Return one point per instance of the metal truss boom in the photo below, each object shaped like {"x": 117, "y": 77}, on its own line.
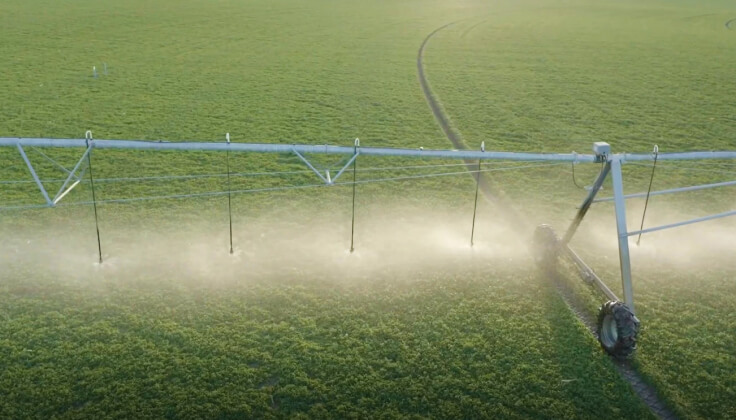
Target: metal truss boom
{"x": 297, "y": 148}
{"x": 349, "y": 150}
{"x": 612, "y": 164}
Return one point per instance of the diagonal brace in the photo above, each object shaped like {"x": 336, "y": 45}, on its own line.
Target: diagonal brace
{"x": 347, "y": 165}
{"x": 311, "y": 167}
{"x": 686, "y": 222}
{"x": 35, "y": 176}
{"x": 53, "y": 162}
{"x": 62, "y": 192}
{"x": 586, "y": 204}
{"x": 671, "y": 191}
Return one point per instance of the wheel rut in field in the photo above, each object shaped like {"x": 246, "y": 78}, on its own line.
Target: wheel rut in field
{"x": 434, "y": 105}
{"x": 647, "y": 393}
{"x": 643, "y": 390}
{"x": 455, "y": 138}
{"x": 699, "y": 16}
{"x": 467, "y": 31}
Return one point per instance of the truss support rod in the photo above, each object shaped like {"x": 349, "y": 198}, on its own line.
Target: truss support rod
{"x": 59, "y": 197}
{"x": 586, "y": 203}
{"x": 35, "y": 176}
{"x": 671, "y": 191}
{"x": 350, "y": 162}
{"x": 62, "y": 193}
{"x": 53, "y": 162}
{"x": 81, "y": 173}
{"x": 686, "y": 222}
{"x": 306, "y": 162}
{"x": 623, "y": 235}
{"x": 588, "y": 273}
{"x": 638, "y": 157}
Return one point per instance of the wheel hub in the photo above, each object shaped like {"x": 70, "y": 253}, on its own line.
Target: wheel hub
{"x": 609, "y": 331}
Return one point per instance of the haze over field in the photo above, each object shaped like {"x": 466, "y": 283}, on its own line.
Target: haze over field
{"x": 388, "y": 239}
{"x": 415, "y": 323}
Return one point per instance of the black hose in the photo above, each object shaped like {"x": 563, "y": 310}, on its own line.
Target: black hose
{"x": 352, "y": 228}
{"x": 649, "y": 190}
{"x": 475, "y": 205}
{"x": 229, "y": 202}
{"x": 94, "y": 201}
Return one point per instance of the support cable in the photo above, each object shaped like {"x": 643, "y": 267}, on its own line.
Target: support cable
{"x": 275, "y": 173}
{"x": 88, "y": 135}
{"x": 272, "y": 189}
{"x": 8, "y": 168}
{"x": 649, "y": 191}
{"x": 688, "y": 168}
{"x": 53, "y": 162}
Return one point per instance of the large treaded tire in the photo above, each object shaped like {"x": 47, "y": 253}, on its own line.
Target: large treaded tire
{"x": 544, "y": 247}
{"x": 617, "y": 329}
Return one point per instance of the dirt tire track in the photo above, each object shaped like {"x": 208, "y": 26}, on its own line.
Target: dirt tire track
{"x": 473, "y": 27}
{"x": 455, "y": 138}
{"x": 699, "y": 16}
{"x": 646, "y": 392}
{"x": 439, "y": 115}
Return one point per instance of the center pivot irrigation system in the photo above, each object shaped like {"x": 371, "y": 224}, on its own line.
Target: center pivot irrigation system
{"x": 617, "y": 323}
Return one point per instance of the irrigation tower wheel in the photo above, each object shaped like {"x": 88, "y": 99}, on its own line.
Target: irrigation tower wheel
{"x": 544, "y": 247}
{"x": 617, "y": 329}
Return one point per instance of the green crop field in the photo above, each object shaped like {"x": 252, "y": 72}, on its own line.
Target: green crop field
{"x": 415, "y": 323}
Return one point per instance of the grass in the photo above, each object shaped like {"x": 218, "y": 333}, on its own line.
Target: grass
{"x": 451, "y": 344}
{"x": 530, "y": 75}
{"x": 634, "y": 75}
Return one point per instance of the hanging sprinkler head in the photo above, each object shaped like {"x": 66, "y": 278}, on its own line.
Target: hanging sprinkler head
{"x": 655, "y": 154}
{"x": 88, "y": 138}
{"x": 229, "y": 199}
{"x": 475, "y": 204}
{"x": 355, "y": 169}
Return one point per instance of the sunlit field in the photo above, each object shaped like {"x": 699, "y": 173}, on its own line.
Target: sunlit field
{"x": 415, "y": 322}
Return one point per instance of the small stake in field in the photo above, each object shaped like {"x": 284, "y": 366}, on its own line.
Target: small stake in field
{"x": 94, "y": 72}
